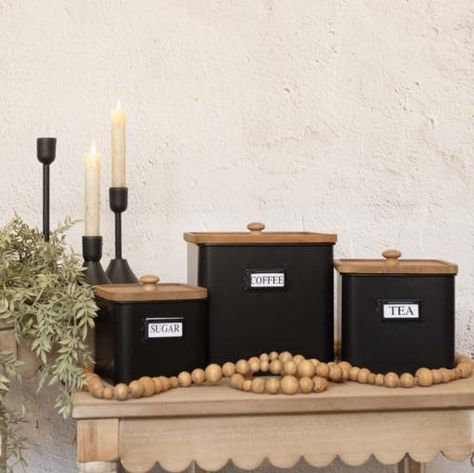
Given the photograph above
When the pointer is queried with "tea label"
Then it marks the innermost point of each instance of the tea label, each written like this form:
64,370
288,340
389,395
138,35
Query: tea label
401,311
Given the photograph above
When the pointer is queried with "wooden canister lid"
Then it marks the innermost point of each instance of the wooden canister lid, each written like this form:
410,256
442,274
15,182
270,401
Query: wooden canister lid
256,235
148,290
392,264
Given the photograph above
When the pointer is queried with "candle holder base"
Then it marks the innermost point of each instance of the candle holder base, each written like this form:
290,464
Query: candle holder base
92,252
119,272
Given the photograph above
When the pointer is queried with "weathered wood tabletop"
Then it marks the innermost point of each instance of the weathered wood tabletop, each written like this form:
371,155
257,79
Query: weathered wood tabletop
212,425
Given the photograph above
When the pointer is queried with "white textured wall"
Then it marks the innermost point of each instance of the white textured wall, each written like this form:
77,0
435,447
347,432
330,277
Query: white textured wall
352,117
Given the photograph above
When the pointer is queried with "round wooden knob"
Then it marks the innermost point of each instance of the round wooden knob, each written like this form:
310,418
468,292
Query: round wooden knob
391,255
256,226
149,282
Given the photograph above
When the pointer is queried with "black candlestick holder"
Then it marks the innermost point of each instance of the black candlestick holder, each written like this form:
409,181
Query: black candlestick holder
92,253
119,271
46,153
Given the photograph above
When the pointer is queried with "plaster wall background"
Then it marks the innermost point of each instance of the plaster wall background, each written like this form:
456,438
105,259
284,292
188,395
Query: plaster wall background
354,117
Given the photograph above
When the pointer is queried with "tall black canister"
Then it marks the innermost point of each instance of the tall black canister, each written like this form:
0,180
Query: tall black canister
397,314
267,291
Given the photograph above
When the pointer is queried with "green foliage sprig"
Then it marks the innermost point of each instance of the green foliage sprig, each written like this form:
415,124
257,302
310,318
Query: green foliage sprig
44,297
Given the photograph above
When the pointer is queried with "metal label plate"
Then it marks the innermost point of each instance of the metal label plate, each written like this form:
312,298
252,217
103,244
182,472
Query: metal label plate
164,327
265,279
400,310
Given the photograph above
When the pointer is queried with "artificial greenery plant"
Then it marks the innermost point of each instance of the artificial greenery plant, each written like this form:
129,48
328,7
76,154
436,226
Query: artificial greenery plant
44,298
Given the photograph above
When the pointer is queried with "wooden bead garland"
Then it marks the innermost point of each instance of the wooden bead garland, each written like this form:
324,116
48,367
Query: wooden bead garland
297,375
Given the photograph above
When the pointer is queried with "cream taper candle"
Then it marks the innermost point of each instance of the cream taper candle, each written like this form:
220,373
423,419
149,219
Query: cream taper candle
92,163
118,126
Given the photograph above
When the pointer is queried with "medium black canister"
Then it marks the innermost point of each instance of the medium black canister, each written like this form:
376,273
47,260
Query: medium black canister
397,314
267,291
149,329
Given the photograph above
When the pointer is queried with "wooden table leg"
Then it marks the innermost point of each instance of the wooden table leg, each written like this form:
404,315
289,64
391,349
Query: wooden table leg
98,467
407,465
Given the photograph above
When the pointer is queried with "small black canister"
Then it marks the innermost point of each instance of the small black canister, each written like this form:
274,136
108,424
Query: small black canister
397,314
150,329
267,291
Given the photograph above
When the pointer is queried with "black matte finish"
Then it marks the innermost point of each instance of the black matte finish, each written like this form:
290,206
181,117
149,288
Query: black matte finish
245,322
119,272
46,150
92,253
46,154
123,352
398,345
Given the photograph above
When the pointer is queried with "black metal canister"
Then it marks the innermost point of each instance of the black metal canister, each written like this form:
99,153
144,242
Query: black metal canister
149,329
397,314
267,291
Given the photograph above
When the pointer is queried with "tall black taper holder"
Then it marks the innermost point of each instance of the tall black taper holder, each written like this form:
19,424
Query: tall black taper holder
46,153
119,270
92,253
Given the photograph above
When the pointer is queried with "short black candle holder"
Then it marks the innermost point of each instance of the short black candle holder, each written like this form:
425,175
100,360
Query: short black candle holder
92,253
119,270
46,154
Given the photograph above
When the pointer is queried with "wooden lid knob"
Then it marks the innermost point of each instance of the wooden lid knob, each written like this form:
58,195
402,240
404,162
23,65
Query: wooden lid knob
391,255
149,282
256,226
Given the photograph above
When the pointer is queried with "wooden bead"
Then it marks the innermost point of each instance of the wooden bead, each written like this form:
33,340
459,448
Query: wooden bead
148,386
198,376
158,385
165,383
319,384
272,385
213,373
97,390
264,366
464,369
379,379
264,357
345,375
236,381
437,378
314,361
135,389
322,370
298,358
276,367
285,356
306,368
344,365
94,385
407,380
463,359
121,392
108,392
274,356
363,376
242,367
306,384
335,374
353,373
391,380
371,378
445,375
289,368
247,385
174,383
258,385
254,364
289,385
184,379
228,369
424,377
455,374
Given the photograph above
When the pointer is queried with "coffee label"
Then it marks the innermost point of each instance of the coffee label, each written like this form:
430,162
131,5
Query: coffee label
260,279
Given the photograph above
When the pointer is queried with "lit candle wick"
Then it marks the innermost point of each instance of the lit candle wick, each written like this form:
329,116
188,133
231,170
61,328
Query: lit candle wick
118,105
93,148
